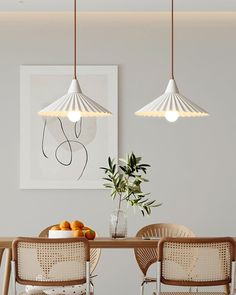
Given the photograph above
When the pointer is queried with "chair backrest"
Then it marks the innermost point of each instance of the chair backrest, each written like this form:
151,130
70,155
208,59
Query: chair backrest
196,261
145,257
95,253
50,262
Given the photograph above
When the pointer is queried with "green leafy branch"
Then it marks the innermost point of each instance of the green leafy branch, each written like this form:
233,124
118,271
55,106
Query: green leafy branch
125,180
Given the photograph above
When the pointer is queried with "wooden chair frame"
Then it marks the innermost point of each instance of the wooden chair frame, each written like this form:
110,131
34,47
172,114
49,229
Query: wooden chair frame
14,264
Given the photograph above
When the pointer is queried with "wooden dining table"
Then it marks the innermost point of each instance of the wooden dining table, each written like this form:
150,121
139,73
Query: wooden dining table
101,243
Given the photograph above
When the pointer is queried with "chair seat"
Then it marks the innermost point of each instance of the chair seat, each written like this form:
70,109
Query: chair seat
56,290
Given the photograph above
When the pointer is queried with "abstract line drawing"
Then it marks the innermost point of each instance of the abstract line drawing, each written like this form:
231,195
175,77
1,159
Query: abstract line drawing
69,143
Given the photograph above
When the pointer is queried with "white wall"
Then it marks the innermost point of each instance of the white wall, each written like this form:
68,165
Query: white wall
193,161
114,5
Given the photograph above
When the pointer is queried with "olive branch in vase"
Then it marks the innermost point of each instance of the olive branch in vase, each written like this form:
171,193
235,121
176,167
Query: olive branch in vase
125,179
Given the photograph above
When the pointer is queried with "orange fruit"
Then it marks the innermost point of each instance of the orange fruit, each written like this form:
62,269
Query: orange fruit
86,228
78,233
65,225
56,227
90,234
76,228
76,224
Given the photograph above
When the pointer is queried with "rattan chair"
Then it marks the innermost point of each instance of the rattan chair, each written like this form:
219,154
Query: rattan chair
198,262
95,254
51,262
145,257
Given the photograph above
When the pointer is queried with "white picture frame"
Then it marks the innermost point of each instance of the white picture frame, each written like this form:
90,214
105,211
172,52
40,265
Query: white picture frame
42,85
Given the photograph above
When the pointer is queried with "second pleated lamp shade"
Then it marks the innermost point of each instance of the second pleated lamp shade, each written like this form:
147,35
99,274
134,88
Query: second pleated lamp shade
171,103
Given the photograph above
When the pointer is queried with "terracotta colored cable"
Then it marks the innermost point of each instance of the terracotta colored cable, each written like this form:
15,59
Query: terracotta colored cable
75,45
172,39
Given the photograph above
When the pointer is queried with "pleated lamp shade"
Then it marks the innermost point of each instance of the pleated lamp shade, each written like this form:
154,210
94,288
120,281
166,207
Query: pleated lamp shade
74,101
172,101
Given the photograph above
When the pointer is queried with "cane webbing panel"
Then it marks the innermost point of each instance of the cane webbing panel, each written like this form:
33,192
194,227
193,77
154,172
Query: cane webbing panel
199,262
147,256
51,261
95,253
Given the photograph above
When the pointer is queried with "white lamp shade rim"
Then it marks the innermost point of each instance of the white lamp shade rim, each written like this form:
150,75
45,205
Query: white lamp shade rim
65,114
163,114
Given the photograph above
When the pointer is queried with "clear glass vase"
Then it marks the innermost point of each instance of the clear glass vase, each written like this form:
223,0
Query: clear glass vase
118,224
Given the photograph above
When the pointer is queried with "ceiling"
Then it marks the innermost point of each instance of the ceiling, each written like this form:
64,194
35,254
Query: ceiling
117,5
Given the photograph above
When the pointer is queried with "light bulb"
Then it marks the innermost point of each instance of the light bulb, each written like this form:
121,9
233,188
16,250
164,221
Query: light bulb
171,116
74,116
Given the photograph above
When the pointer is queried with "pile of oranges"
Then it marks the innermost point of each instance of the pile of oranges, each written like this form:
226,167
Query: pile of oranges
80,230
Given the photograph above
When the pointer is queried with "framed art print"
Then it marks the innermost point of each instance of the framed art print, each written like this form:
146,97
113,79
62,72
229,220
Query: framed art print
44,149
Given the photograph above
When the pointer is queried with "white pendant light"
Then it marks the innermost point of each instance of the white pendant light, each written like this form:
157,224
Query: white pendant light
74,104
172,104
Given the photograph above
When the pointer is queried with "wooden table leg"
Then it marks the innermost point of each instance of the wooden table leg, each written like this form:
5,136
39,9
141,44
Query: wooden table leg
7,273
1,254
